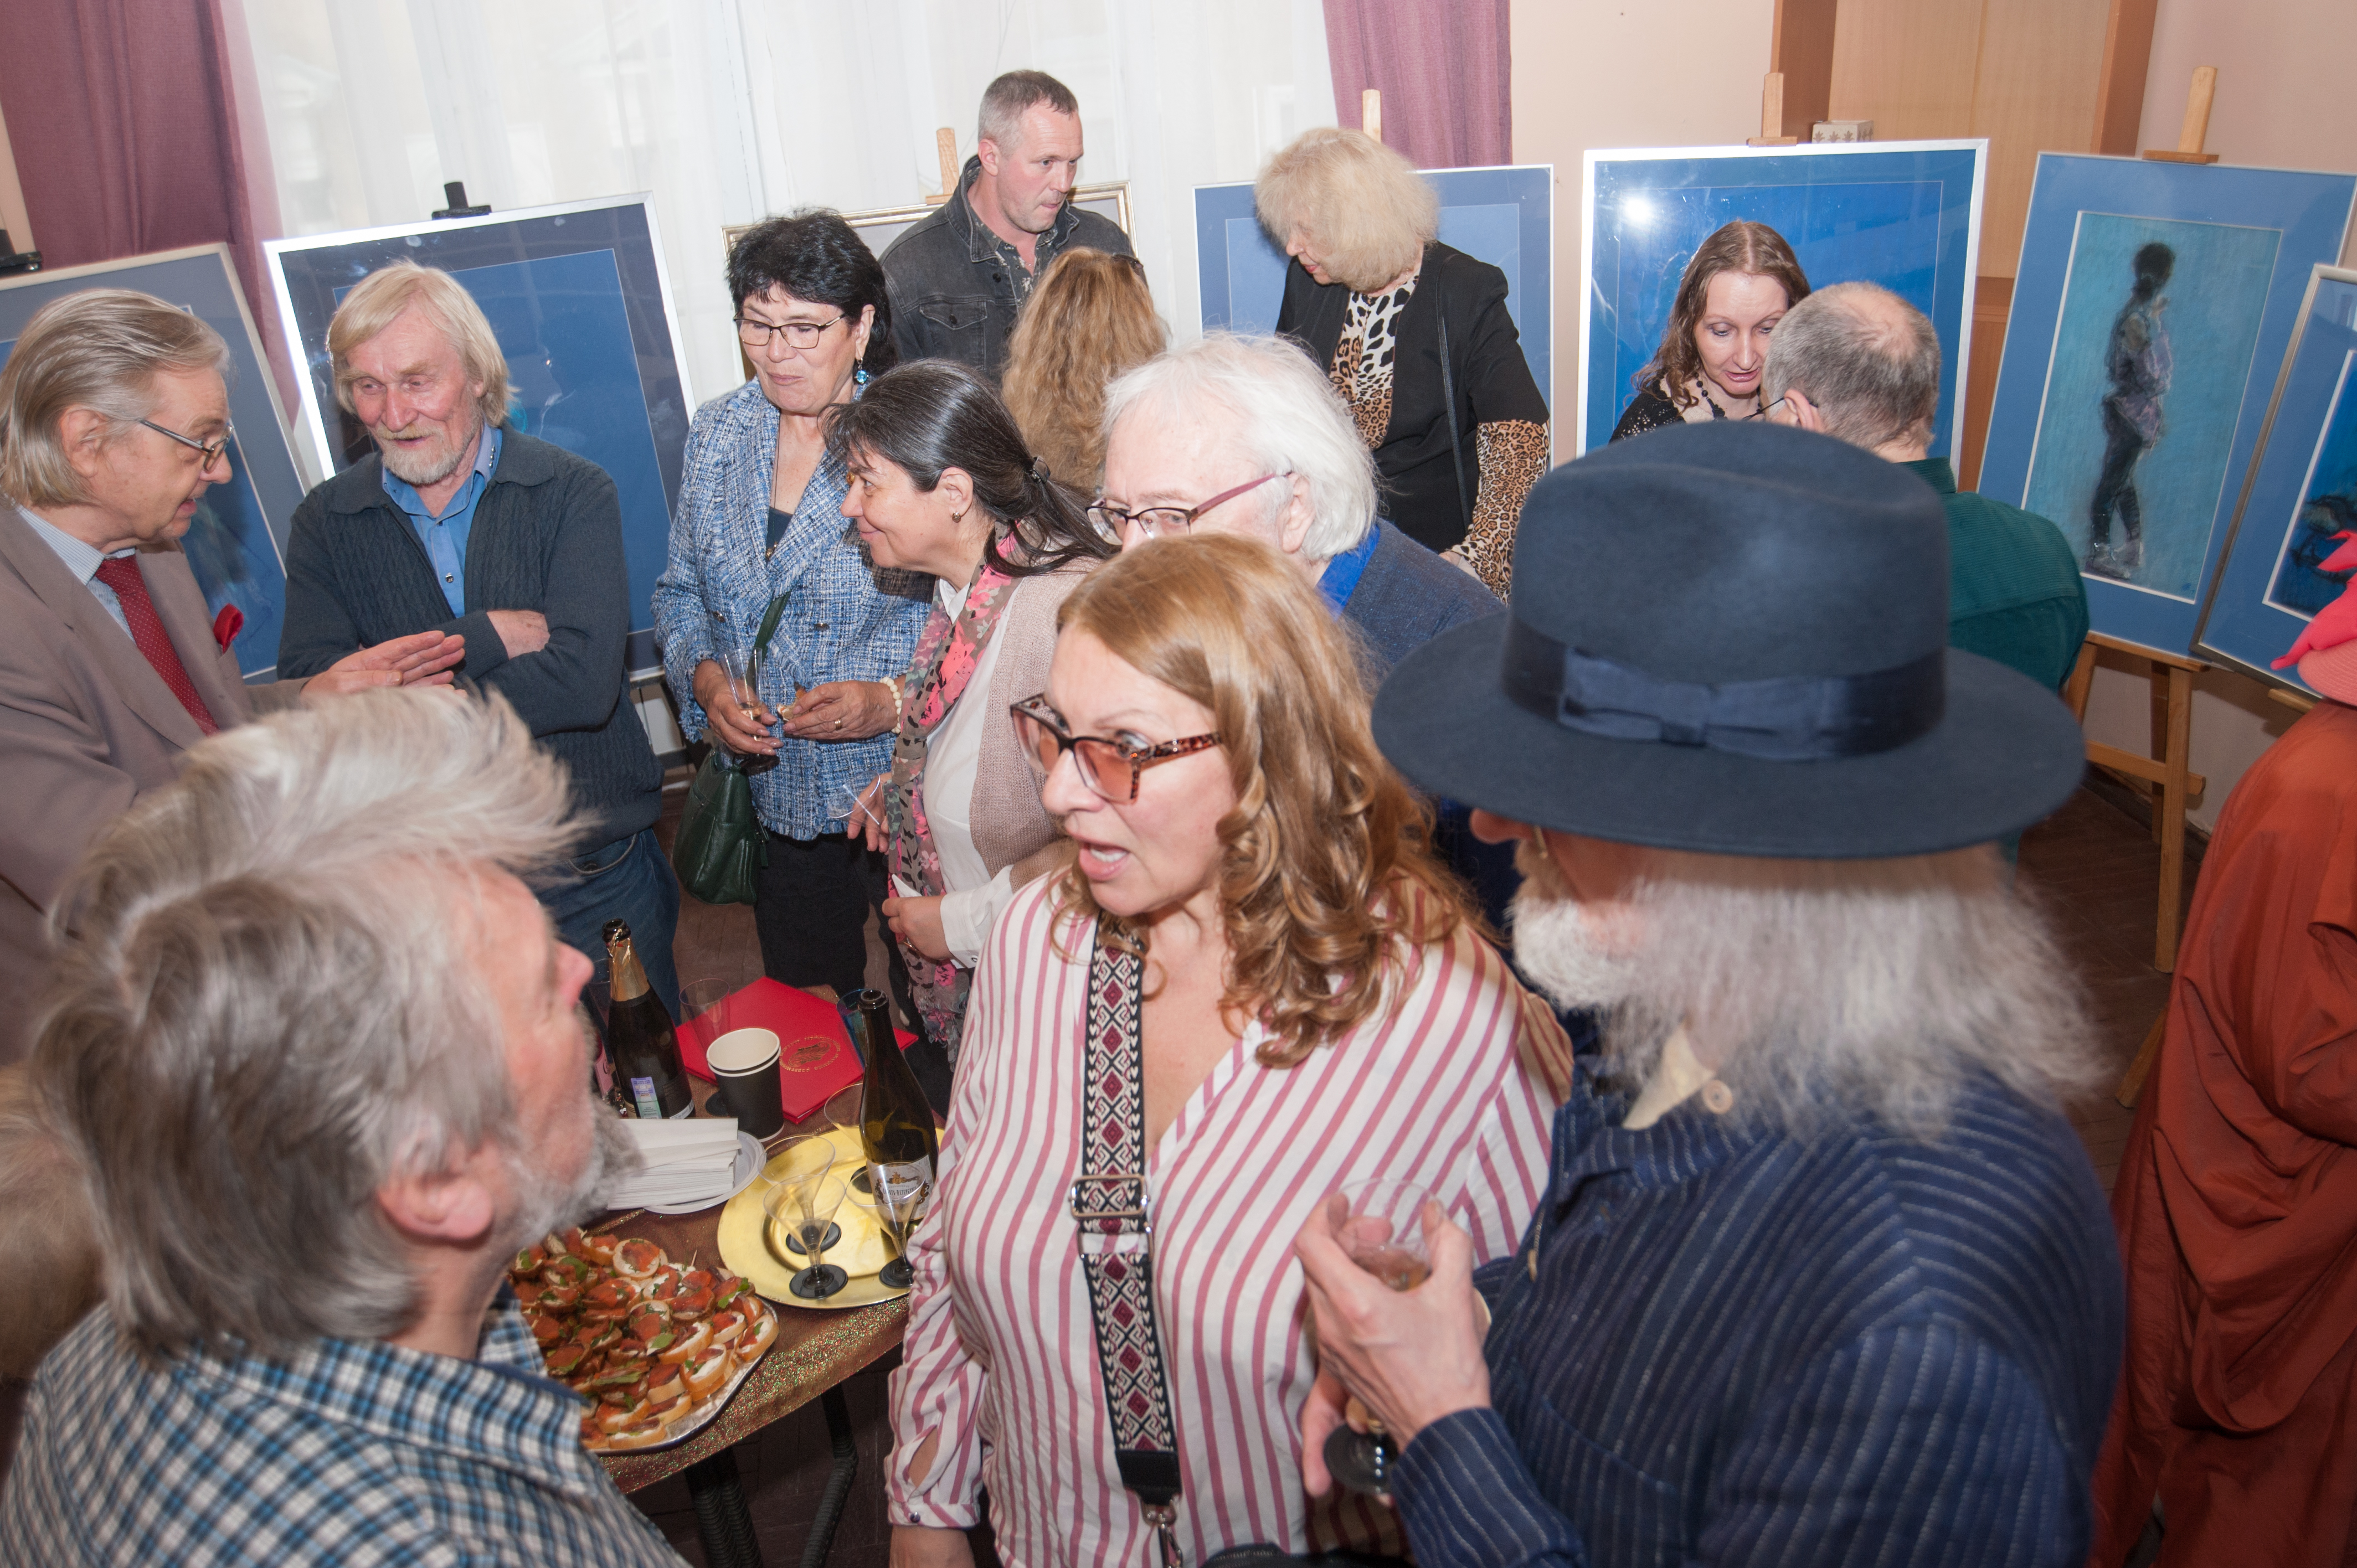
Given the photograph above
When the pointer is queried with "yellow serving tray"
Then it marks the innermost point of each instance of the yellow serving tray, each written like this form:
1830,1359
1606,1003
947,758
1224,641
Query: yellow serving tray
747,1247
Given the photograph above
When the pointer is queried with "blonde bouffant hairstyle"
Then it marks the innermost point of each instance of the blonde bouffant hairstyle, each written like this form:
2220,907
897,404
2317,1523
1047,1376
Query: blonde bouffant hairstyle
1089,318
1328,886
379,298
1365,212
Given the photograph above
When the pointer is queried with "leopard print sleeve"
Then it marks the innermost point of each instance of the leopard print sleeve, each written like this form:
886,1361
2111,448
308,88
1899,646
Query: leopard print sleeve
1513,453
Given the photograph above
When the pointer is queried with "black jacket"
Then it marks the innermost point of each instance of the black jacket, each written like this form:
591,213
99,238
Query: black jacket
547,536
1488,377
952,293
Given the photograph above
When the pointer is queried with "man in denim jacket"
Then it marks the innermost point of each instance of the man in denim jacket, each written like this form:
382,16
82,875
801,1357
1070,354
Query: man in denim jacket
959,277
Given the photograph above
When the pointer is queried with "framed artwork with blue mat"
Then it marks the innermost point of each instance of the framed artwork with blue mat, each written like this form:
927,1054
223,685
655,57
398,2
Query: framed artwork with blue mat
237,544
1906,215
2151,312
1504,216
2297,503
578,299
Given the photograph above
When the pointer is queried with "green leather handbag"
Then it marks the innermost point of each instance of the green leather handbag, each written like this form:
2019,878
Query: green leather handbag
722,846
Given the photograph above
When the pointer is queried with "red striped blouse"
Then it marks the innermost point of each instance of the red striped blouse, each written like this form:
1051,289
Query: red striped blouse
1454,1090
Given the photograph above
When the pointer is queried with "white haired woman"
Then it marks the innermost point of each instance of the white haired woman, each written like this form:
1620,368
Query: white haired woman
1416,337
1257,939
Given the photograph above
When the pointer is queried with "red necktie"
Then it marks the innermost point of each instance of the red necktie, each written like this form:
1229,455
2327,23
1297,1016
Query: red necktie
121,573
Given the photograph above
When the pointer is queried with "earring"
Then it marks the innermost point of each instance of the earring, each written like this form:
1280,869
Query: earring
859,374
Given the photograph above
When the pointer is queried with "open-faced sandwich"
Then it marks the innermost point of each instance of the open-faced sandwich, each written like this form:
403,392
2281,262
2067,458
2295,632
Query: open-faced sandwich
654,1347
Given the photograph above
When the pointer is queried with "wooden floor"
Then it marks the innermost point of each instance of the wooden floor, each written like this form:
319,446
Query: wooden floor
2093,868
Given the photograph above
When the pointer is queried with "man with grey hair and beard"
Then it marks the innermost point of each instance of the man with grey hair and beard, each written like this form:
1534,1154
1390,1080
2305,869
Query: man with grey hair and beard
319,1054
1857,362
1821,1274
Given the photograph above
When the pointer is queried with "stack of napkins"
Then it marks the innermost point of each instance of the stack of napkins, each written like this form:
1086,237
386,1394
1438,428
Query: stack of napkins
690,1161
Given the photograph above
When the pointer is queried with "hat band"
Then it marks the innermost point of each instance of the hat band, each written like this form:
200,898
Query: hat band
1790,718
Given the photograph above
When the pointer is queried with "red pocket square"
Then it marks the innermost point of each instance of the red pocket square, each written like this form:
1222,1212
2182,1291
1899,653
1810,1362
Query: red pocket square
228,624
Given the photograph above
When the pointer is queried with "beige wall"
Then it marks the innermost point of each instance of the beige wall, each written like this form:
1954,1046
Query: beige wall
1612,73
2284,101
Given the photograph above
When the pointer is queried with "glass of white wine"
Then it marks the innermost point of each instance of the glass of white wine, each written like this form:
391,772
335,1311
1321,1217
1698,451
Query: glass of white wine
1381,1225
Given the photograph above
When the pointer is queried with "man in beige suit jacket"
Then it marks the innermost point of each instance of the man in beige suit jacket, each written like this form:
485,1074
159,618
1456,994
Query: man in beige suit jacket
113,420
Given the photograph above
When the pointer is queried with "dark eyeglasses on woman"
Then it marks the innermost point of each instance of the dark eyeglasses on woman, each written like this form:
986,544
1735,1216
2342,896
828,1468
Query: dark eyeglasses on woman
1109,767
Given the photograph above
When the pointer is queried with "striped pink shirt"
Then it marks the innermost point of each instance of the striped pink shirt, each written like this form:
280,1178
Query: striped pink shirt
1454,1091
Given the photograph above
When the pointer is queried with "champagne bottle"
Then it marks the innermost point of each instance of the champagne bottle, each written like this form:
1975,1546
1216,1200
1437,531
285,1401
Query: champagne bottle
896,1126
640,1037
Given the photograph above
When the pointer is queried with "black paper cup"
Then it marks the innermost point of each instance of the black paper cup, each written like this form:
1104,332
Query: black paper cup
745,1066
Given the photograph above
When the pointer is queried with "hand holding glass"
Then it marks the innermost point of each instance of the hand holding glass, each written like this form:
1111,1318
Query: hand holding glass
1381,1225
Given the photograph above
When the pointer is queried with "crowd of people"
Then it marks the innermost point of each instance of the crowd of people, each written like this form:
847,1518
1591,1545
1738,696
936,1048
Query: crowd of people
1270,779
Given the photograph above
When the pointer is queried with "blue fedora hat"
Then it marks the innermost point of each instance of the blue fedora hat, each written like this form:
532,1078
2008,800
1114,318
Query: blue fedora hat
1732,638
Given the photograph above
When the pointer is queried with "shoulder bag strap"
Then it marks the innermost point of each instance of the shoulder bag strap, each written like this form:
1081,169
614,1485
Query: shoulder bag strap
1110,1205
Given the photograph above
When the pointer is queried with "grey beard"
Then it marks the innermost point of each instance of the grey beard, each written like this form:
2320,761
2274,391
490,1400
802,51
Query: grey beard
543,1205
1555,947
428,472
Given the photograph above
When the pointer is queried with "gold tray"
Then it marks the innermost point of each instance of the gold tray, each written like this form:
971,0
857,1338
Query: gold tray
746,1245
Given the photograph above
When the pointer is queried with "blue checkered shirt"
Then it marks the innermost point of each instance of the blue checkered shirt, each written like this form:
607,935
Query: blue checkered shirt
844,620
346,1452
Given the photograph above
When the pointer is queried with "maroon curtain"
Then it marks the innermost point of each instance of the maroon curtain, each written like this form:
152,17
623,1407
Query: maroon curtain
1443,69
124,120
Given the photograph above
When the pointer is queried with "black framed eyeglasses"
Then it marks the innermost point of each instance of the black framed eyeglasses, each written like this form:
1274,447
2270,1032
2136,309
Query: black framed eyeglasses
1160,521
1104,762
210,451
800,334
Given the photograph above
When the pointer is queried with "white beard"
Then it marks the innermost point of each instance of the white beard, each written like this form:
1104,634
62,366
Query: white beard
1556,947
545,1204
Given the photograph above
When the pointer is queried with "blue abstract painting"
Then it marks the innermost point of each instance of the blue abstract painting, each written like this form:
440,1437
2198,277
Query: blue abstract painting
1902,215
2159,320
2327,511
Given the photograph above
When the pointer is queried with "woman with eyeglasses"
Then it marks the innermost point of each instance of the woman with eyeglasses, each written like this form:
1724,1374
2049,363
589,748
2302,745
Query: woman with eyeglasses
1090,318
1714,351
942,483
759,517
1254,985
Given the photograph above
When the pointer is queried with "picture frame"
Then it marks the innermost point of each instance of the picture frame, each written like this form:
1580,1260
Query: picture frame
1906,215
579,298
237,544
2152,309
1504,215
2299,492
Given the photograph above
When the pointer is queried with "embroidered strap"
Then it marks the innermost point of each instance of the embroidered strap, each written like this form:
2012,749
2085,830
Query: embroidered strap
1114,1213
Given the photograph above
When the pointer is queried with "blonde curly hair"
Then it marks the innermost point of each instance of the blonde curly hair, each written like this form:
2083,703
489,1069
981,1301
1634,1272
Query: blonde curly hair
1328,886
1088,319
1363,207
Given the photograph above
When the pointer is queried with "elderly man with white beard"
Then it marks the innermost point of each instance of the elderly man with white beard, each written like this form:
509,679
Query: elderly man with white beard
1822,1275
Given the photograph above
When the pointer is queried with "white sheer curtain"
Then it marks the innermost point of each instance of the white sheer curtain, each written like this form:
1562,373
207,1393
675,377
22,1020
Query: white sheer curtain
728,110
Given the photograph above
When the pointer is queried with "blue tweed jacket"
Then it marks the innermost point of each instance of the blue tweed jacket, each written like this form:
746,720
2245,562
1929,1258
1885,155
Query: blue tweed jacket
1722,1345
844,619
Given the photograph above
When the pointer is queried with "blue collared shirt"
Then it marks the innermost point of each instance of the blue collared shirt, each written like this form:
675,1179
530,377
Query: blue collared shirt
1342,571
345,1451
83,562
445,537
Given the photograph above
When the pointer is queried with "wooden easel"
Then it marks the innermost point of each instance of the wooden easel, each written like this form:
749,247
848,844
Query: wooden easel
945,143
2175,787
1772,114
2195,132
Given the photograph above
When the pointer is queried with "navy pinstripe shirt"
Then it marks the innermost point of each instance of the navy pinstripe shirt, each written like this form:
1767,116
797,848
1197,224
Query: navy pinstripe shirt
1738,1347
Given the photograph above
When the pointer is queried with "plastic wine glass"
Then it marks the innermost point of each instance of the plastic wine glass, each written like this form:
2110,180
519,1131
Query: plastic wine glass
1381,1225
807,1209
804,1159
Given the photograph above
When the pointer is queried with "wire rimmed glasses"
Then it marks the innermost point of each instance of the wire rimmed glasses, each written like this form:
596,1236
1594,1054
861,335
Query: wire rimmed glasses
209,452
1110,767
756,334
1162,521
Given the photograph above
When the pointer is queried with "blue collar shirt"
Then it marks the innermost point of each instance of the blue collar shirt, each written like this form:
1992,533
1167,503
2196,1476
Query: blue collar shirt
445,537
83,561
345,1452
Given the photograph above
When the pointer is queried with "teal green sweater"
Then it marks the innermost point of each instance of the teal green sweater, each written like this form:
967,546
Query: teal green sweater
2014,592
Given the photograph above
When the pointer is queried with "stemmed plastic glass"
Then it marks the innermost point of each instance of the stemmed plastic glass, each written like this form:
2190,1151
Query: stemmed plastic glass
807,1209
1381,1225
898,1207
802,1160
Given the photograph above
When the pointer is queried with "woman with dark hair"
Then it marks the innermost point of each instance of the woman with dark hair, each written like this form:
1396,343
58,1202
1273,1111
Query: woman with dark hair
942,483
760,519
1739,285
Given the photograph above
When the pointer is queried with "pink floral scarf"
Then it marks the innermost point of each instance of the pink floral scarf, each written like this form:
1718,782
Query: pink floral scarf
947,654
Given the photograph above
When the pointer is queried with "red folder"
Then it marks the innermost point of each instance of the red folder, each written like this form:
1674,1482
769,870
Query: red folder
814,1054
